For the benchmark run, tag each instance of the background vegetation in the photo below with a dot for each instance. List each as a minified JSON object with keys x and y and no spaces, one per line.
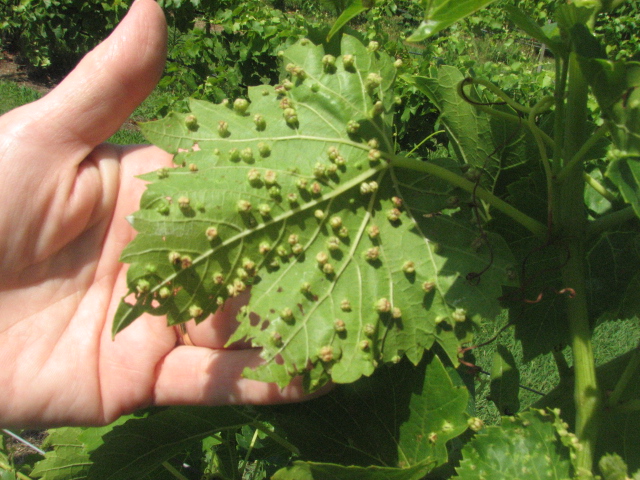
{"x":219,"y":48}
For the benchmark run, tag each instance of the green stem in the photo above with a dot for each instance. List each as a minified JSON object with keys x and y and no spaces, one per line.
{"x":558,"y":122}
{"x":493,"y":89}
{"x":598,"y":187}
{"x":10,"y":469}
{"x":600,"y":132}
{"x":173,"y":471}
{"x":249,"y":450}
{"x":628,"y":407}
{"x":425,"y":140}
{"x":610,"y":220}
{"x":529,"y":223}
{"x":277,"y":438}
{"x":623,"y":381}
{"x":570,"y":217}
{"x":542,"y":106}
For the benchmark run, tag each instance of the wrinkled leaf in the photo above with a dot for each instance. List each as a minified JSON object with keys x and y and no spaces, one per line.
{"x":612,"y":467}
{"x":440,"y":14}
{"x":524,"y":447}
{"x":351,"y":261}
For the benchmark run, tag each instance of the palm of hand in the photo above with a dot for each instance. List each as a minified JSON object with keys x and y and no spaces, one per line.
{"x":60,"y":239}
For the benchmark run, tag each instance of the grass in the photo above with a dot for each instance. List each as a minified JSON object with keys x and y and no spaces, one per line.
{"x":13,"y":95}
{"x":610,"y":339}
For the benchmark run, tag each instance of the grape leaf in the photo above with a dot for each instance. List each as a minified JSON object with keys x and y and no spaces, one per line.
{"x":70,"y":454}
{"x":479,"y":140}
{"x":355,"y":8}
{"x":399,"y":417}
{"x":350,"y":260}
{"x":616,"y":87}
{"x":440,"y":14}
{"x":138,"y":448}
{"x":526,"y":23}
{"x":523,"y":447}
{"x":327,"y":471}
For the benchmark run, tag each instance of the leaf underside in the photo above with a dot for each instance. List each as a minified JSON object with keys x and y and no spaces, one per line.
{"x":350,"y":261}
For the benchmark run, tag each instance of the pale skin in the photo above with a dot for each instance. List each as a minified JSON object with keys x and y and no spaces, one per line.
{"x":65,"y":196}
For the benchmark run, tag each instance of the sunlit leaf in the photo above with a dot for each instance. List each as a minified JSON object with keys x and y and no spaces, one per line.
{"x":440,"y":14}
{"x":351,"y":262}
{"x":525,"y":447}
{"x":355,"y":8}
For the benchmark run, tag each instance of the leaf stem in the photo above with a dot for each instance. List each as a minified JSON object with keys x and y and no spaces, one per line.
{"x":570,"y":216}
{"x":564,"y":371}
{"x":249,"y":450}
{"x":529,"y":223}
{"x":9,"y":468}
{"x":558,"y":122}
{"x":173,"y":471}
{"x":543,"y":105}
{"x":276,"y":438}
{"x":425,"y":140}
{"x":580,"y":154}
{"x":598,"y":187}
{"x":623,"y":381}
{"x":610,"y":220}
{"x":495,"y":90}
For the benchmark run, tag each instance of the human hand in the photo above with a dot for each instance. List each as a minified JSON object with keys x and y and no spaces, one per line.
{"x":63,"y":226}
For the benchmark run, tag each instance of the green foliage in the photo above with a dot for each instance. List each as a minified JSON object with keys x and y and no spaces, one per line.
{"x":13,"y":95}
{"x":526,"y":447}
{"x":228,"y":48}
{"x":57,"y":33}
{"x":359,"y":254}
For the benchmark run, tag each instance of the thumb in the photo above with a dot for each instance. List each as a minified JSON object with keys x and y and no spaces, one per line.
{"x":93,"y":101}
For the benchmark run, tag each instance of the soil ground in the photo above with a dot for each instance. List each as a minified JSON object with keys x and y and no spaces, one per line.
{"x":12,"y":71}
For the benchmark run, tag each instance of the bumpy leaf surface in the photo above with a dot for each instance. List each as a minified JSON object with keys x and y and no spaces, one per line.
{"x":350,"y":260}
{"x":524,"y":447}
